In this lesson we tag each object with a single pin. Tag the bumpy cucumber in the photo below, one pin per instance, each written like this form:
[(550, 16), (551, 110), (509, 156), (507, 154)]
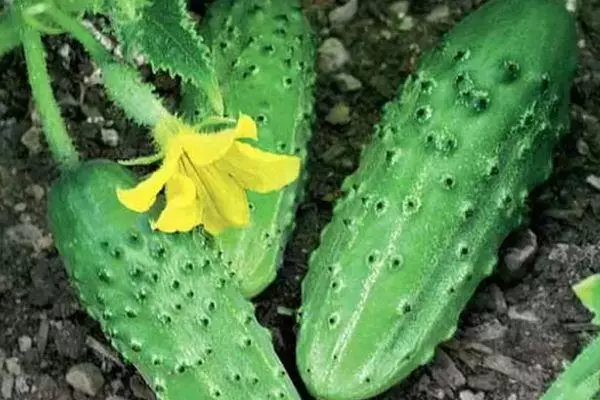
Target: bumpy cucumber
[(164, 300), (264, 55), (444, 180)]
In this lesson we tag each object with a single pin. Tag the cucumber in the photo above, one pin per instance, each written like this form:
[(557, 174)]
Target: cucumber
[(444, 180), (165, 300), (264, 54)]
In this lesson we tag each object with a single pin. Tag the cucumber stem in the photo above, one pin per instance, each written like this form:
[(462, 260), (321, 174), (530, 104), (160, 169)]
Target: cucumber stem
[(122, 81), (79, 32), (61, 147)]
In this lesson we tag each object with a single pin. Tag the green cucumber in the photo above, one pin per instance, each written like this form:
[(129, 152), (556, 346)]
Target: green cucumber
[(444, 180), (264, 56), (165, 300)]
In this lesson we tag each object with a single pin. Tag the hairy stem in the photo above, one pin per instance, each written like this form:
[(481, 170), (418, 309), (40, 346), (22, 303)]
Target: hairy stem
[(60, 144)]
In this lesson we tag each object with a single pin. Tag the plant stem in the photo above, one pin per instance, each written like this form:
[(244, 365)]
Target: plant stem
[(123, 82), (79, 32), (586, 365), (58, 139)]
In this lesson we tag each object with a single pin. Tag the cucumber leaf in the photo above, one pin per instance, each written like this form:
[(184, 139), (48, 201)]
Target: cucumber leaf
[(588, 292), (165, 34)]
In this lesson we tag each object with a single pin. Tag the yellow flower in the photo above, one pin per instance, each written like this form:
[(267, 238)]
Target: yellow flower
[(206, 176)]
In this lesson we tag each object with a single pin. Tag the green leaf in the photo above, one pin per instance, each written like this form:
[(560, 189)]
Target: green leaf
[(9, 31), (588, 292), (581, 379), (165, 34)]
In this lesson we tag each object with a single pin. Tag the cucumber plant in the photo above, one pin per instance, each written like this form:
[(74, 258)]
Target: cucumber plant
[(444, 180), (163, 299)]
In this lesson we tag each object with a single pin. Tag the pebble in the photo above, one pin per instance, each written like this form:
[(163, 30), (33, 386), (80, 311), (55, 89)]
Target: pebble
[(85, 378), (115, 398), (468, 395), (32, 140), (445, 372), (25, 343), (407, 24), (347, 82), (332, 55), (343, 14), (339, 114), (36, 191), (527, 315), (439, 13), (21, 385), (399, 9), (6, 388), (593, 181), (518, 255), (486, 382), (13, 366), (25, 234), (110, 137)]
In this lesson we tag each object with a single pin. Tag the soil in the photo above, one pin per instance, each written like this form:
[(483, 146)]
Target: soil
[(517, 332)]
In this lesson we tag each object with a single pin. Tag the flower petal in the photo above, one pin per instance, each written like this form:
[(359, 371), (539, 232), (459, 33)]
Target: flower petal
[(226, 195), (141, 197), (246, 128), (204, 149), (258, 170), (181, 213)]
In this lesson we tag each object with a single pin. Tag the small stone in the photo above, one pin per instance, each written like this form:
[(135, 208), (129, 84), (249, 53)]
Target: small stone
[(488, 331), (110, 137), (25, 343), (582, 147), (32, 140), (140, 389), (13, 366), (343, 14), (519, 252), (407, 24), (6, 388), (486, 382), (65, 52), (21, 385), (593, 181), (115, 398), (445, 372), (399, 9), (468, 395), (527, 315), (20, 207), (85, 378), (347, 82), (438, 14), (339, 114), (332, 55), (25, 234), (36, 191)]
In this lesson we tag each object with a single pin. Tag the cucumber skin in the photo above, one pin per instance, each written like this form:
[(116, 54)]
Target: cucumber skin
[(164, 300), (444, 180), (264, 55)]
